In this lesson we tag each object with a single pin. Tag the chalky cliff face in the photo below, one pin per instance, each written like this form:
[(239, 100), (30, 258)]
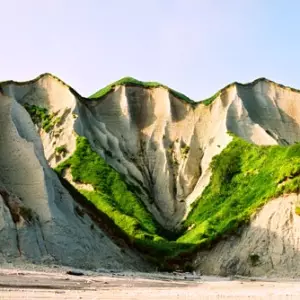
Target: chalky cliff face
[(39, 219), (164, 145), (161, 144)]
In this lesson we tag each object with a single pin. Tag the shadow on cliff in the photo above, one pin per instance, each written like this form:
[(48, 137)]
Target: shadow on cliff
[(155, 252), (160, 155), (142, 113), (142, 107), (159, 252), (275, 121)]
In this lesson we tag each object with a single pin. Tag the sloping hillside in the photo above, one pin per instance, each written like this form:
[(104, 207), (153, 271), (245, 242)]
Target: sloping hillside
[(39, 219), (163, 168)]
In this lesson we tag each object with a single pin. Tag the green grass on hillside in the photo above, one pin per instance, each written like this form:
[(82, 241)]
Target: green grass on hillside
[(134, 82), (211, 99), (61, 149), (129, 81), (244, 177), (111, 194), (41, 116)]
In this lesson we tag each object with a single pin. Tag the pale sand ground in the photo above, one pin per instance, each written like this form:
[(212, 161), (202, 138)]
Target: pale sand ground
[(56, 284)]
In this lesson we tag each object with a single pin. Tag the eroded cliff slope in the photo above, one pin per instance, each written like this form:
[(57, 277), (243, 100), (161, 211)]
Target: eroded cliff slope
[(39, 219), (268, 247), (160, 144)]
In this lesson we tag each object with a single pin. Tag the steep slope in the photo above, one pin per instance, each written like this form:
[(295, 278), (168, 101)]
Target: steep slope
[(244, 178), (39, 219), (160, 146), (167, 144), (159, 149)]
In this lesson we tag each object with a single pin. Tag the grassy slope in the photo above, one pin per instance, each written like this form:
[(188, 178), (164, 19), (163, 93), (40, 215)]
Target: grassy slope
[(245, 176), (129, 81), (111, 194), (114, 197)]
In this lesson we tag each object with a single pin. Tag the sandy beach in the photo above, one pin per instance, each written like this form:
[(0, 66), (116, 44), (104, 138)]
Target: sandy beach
[(57, 284)]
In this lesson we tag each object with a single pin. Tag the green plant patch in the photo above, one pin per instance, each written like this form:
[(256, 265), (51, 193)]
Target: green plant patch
[(185, 150), (244, 177), (61, 149), (211, 99), (41, 117), (129, 81), (111, 194)]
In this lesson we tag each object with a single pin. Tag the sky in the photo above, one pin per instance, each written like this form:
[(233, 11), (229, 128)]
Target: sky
[(193, 46)]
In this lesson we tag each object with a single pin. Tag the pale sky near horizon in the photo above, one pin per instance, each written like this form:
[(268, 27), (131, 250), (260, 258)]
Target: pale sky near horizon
[(193, 46)]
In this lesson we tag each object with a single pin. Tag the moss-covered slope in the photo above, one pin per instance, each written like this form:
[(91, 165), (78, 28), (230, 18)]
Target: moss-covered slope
[(111, 194), (244, 177), (129, 81)]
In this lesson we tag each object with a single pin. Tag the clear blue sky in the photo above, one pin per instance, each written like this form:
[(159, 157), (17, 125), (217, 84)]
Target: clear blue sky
[(193, 46)]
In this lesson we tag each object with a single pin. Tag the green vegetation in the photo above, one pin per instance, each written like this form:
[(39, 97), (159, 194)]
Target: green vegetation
[(111, 194), (129, 81), (61, 149), (41, 117), (185, 150), (244, 177), (210, 100)]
